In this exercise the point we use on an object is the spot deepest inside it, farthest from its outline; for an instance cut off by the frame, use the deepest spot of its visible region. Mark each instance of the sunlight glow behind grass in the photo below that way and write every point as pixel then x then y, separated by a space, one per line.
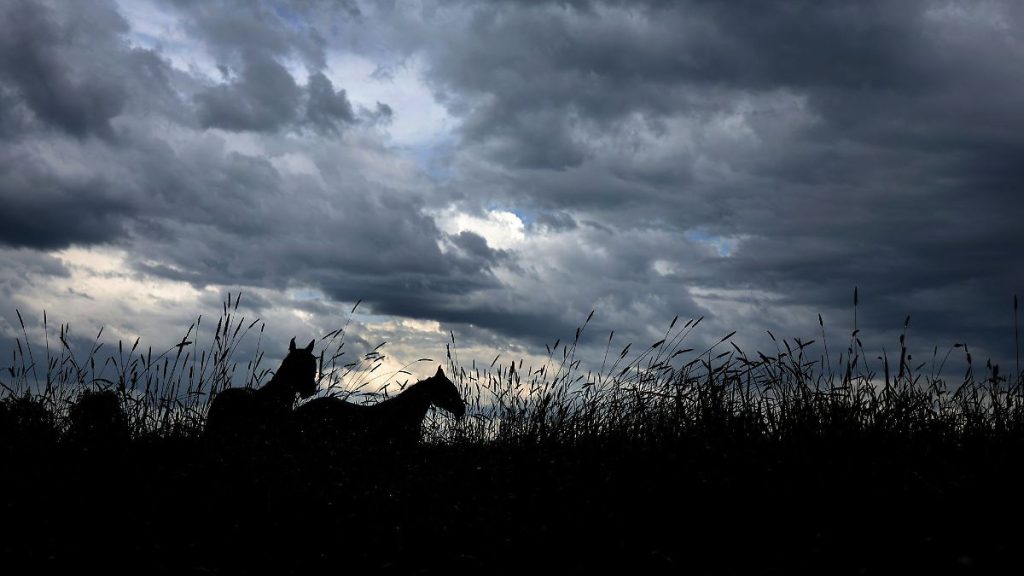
pixel 653 392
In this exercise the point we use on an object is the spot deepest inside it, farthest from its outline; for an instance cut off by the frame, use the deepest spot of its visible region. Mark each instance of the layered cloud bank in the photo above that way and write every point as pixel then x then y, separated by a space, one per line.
pixel 501 169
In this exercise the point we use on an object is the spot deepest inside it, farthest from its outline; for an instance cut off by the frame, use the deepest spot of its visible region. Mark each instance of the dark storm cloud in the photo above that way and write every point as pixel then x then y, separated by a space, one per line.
pixel 43 212
pixel 535 73
pixel 65 75
pixel 383 113
pixel 66 66
pixel 662 156
pixel 356 241
pixel 175 195
pixel 13 114
pixel 232 27
pixel 475 251
pixel 554 221
pixel 42 60
pixel 230 219
pixel 837 144
pixel 254 39
pixel 264 98
pixel 327 110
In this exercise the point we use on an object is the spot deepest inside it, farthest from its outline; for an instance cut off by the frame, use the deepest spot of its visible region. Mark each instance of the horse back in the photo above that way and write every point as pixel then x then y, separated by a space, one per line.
pixel 337 424
pixel 233 410
pixel 329 417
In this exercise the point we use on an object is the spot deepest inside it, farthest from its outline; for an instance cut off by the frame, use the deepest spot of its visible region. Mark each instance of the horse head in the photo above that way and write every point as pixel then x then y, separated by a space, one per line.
pixel 299 368
pixel 445 394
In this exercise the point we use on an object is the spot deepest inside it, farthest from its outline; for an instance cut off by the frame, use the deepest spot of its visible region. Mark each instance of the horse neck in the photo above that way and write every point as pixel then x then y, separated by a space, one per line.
pixel 277 391
pixel 416 399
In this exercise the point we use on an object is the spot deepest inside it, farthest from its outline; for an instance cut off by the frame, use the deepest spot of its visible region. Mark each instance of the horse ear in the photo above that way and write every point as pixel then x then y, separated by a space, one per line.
pixel 310 347
pixel 291 345
pixel 439 372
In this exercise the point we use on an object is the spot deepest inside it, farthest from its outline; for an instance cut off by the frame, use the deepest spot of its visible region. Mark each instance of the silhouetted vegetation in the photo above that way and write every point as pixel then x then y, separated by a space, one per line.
pixel 811 458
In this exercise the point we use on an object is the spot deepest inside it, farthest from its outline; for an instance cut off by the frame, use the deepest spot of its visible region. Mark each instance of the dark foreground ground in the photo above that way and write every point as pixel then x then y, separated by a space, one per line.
pixel 690 505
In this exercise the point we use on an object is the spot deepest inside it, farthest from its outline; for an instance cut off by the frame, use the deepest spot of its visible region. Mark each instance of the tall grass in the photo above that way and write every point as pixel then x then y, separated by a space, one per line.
pixel 669 390
pixel 665 391
pixel 163 393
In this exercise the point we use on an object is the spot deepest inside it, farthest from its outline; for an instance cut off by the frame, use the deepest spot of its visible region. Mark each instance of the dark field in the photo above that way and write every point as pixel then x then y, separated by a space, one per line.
pixel 699 503
pixel 687 462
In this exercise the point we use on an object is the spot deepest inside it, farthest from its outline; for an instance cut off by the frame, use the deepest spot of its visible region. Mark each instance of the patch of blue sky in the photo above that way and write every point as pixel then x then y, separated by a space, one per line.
pixel 431 157
pixel 724 245
pixel 286 14
pixel 156 27
pixel 307 295
pixel 526 215
pixel 151 35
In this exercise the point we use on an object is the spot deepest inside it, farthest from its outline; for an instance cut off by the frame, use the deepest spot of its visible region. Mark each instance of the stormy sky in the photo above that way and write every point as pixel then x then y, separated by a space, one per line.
pixel 500 169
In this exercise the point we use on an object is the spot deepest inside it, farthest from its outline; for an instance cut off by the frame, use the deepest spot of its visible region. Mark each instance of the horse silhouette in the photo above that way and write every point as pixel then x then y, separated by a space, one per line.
pixel 258 414
pixel 334 423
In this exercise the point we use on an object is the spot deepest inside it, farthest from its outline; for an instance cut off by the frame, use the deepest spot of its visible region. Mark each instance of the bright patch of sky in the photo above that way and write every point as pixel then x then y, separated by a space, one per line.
pixel 502 229
pixel 723 245
pixel 306 294
pixel 664 267
pixel 295 163
pixel 101 287
pixel 156 28
pixel 419 121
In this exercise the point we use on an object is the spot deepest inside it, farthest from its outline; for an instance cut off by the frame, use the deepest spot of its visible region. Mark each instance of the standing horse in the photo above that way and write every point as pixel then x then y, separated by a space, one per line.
pixel 260 413
pixel 396 421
